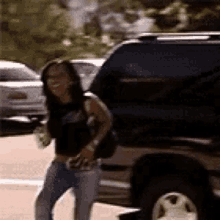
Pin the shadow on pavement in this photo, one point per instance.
(13, 128)
(128, 216)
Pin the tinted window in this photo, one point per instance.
(18, 74)
(164, 60)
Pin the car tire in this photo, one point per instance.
(171, 197)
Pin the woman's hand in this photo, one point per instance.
(82, 161)
(87, 154)
(42, 136)
(74, 162)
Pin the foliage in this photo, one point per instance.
(183, 16)
(35, 33)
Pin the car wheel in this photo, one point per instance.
(172, 198)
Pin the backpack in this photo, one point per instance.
(108, 145)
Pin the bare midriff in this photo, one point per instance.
(60, 158)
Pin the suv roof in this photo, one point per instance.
(169, 38)
(171, 50)
(178, 38)
(188, 34)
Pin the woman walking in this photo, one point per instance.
(75, 164)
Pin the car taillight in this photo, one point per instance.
(17, 95)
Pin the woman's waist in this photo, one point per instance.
(61, 158)
(64, 158)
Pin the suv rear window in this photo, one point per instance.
(17, 74)
(164, 60)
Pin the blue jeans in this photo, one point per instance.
(59, 179)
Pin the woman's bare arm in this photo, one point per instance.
(97, 108)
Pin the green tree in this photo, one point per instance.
(32, 30)
(185, 15)
(36, 31)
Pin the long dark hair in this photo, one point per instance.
(55, 108)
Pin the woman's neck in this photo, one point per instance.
(65, 98)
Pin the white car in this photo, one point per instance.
(20, 91)
(87, 68)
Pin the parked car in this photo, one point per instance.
(20, 91)
(164, 93)
(86, 68)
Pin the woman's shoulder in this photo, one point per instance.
(90, 95)
(90, 100)
(94, 104)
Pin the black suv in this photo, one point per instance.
(164, 93)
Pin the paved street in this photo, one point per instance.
(22, 168)
(17, 201)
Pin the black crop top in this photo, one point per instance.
(75, 134)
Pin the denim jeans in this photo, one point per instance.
(58, 180)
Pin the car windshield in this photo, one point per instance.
(18, 74)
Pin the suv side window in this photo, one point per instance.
(164, 60)
(148, 72)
